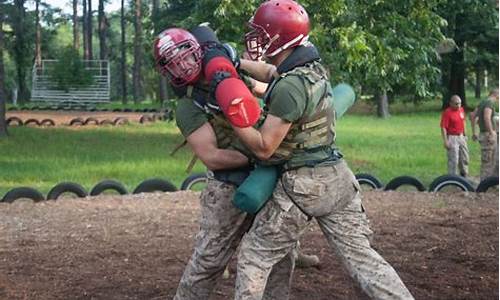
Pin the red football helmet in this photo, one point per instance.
(178, 55)
(276, 25)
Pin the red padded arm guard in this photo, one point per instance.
(237, 102)
(234, 98)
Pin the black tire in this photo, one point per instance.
(22, 192)
(66, 187)
(32, 121)
(450, 180)
(155, 185)
(487, 183)
(91, 120)
(93, 109)
(193, 179)
(108, 185)
(117, 110)
(395, 183)
(120, 121)
(127, 110)
(76, 122)
(106, 122)
(16, 120)
(367, 179)
(47, 122)
(145, 119)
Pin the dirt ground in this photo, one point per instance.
(135, 247)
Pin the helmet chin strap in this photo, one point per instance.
(285, 46)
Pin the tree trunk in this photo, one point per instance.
(123, 63)
(3, 99)
(84, 31)
(137, 52)
(456, 85)
(89, 28)
(38, 35)
(382, 105)
(103, 29)
(163, 90)
(21, 51)
(162, 83)
(76, 36)
(479, 77)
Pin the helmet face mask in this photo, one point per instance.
(256, 41)
(178, 56)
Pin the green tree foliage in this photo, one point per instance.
(376, 45)
(69, 71)
(473, 24)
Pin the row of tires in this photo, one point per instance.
(436, 185)
(147, 186)
(162, 185)
(373, 182)
(15, 121)
(83, 108)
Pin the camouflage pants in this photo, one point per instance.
(331, 195)
(458, 155)
(221, 228)
(489, 155)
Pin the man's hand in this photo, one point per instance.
(447, 145)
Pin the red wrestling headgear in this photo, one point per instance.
(178, 56)
(276, 25)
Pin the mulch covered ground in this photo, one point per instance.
(444, 246)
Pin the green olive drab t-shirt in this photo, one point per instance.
(189, 117)
(288, 101)
(487, 103)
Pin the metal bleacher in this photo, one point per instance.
(44, 89)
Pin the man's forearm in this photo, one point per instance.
(258, 70)
(444, 135)
(225, 159)
(252, 138)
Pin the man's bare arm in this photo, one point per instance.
(258, 70)
(264, 142)
(444, 134)
(204, 145)
(473, 120)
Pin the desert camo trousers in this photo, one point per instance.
(489, 154)
(221, 228)
(331, 195)
(458, 155)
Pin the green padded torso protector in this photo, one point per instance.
(257, 188)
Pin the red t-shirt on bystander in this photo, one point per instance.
(453, 121)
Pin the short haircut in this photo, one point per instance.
(455, 97)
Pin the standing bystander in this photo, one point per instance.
(454, 137)
(488, 138)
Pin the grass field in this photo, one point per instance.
(406, 144)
